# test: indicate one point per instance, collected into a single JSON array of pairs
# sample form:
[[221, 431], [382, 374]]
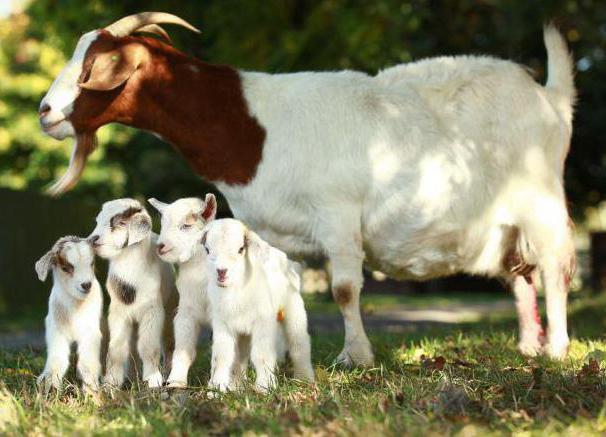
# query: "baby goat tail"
[[560, 73]]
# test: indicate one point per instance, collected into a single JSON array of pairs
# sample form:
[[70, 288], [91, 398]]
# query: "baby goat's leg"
[[57, 360], [263, 355], [241, 361], [120, 330], [299, 346], [149, 346], [223, 356], [187, 329], [89, 357]]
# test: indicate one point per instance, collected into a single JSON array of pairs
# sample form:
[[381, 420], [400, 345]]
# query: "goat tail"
[[84, 145], [560, 71]]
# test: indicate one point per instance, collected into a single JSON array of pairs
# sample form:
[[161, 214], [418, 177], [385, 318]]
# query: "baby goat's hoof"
[[155, 380]]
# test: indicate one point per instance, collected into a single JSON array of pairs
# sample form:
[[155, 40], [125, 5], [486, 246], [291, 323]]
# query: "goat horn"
[[156, 30], [127, 25]]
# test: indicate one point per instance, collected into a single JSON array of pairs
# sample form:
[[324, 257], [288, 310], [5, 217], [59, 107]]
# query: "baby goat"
[[74, 312], [182, 225], [139, 284], [255, 301]]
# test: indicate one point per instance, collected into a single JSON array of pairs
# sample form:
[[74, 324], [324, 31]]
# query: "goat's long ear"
[[111, 69], [210, 208], [44, 264], [139, 227], [256, 248], [160, 206]]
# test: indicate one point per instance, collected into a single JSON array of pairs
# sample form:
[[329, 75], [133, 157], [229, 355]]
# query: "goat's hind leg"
[[531, 330], [552, 238]]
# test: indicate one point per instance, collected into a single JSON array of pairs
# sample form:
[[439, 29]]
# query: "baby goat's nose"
[[86, 286], [221, 274], [161, 248], [94, 240], [44, 109]]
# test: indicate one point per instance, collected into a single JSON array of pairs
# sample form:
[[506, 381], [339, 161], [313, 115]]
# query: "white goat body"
[[421, 171], [256, 307], [141, 288], [74, 313]]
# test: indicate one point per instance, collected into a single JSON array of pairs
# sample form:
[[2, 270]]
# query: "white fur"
[[258, 284], [182, 225], [64, 91], [74, 314], [415, 172], [130, 248]]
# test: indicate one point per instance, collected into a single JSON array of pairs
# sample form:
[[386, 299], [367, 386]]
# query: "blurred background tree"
[[266, 35]]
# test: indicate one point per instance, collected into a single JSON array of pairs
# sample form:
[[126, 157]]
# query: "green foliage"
[[283, 36]]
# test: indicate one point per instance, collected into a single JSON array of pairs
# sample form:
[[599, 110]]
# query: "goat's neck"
[[201, 110]]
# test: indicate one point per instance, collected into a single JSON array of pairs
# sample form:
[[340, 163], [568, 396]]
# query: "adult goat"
[[450, 164]]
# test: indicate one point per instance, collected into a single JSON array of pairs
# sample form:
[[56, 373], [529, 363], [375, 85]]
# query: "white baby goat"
[[255, 299], [179, 243], [74, 312], [140, 286]]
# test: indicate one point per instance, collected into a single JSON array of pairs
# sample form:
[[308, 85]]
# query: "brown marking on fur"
[[192, 218], [342, 293], [122, 290], [58, 259], [280, 315], [124, 215], [513, 261], [202, 113]]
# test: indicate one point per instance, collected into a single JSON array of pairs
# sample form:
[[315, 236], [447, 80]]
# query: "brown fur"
[[513, 262], [201, 111], [342, 293]]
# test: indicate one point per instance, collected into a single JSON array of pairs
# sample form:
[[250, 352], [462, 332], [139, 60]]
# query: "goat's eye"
[[241, 250], [186, 226], [67, 268]]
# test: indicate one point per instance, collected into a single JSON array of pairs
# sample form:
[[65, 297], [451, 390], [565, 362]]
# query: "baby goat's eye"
[[241, 250], [186, 226]]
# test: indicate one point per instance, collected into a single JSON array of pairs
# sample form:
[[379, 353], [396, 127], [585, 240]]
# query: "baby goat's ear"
[[210, 208], [44, 264], [139, 227], [256, 248], [160, 206]]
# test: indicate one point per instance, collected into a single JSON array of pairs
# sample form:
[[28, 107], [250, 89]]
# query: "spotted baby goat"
[[74, 312], [182, 226], [255, 302], [140, 286]]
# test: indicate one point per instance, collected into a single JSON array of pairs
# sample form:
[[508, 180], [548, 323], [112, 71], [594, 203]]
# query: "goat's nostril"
[[221, 273], [86, 285], [94, 240], [161, 247], [44, 109]]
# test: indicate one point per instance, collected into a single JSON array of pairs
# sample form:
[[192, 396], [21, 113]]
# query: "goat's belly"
[[415, 260]]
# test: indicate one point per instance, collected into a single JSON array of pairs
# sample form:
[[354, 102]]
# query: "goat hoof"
[[356, 354]]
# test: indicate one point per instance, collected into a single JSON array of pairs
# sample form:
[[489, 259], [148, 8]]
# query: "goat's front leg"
[[57, 360], [341, 237], [187, 330], [240, 365], [89, 357], [223, 356], [149, 346], [118, 351], [263, 355]]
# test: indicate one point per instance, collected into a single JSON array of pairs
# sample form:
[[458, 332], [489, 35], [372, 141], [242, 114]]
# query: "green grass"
[[482, 387]]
